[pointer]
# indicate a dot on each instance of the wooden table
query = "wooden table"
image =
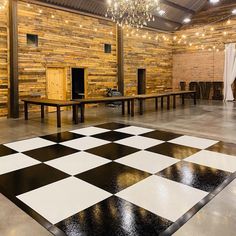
(123, 99)
(167, 95)
(52, 103)
(143, 97)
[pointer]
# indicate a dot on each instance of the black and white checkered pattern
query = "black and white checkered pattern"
(114, 179)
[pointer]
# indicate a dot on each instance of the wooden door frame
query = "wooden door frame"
(85, 79)
(64, 79)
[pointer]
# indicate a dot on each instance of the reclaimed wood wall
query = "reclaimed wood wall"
(198, 52)
(150, 50)
(64, 40)
(4, 61)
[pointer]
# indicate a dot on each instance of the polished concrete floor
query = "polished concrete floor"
(215, 120)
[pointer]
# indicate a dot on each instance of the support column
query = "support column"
(13, 35)
(120, 59)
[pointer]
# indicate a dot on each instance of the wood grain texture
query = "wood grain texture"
(4, 61)
(143, 50)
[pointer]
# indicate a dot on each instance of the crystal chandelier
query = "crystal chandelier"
(3, 4)
(134, 13)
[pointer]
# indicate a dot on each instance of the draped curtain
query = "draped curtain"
(229, 71)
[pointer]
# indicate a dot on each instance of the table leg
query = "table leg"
(58, 116)
(174, 101)
(156, 100)
(182, 99)
(132, 107)
(168, 102)
(82, 108)
(123, 108)
(42, 111)
(140, 106)
(162, 102)
(128, 104)
(26, 110)
(195, 98)
(75, 114)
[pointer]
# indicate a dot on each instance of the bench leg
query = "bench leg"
(42, 111)
(174, 101)
(132, 107)
(162, 102)
(128, 104)
(82, 108)
(156, 100)
(168, 102)
(123, 108)
(75, 114)
(26, 110)
(58, 116)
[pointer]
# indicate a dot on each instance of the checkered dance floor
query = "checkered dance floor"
(113, 179)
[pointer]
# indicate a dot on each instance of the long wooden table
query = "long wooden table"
(167, 95)
(129, 100)
(52, 103)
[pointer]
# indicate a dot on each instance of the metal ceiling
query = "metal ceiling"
(176, 10)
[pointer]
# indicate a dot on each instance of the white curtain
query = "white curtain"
(229, 71)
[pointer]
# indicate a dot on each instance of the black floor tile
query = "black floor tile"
(113, 217)
(112, 136)
(50, 152)
(62, 137)
(174, 150)
(222, 147)
(27, 179)
(194, 175)
(112, 126)
(113, 177)
(161, 135)
(4, 151)
(112, 151)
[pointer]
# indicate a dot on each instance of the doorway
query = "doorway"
(78, 83)
(141, 81)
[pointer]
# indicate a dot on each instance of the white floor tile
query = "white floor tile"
(77, 162)
(163, 197)
(135, 130)
(64, 198)
(29, 144)
(90, 131)
(15, 162)
(214, 159)
(195, 142)
(139, 142)
(84, 143)
(147, 161)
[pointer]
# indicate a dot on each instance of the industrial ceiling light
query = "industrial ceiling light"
(134, 13)
(234, 11)
(186, 20)
(214, 1)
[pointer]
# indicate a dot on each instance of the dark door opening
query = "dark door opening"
(141, 81)
(78, 88)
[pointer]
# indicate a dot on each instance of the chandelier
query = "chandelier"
(3, 4)
(132, 13)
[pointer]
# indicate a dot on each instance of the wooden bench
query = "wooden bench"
(52, 103)
(123, 99)
(167, 95)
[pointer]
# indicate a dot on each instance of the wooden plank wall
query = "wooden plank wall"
(65, 40)
(4, 61)
(199, 58)
(148, 50)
